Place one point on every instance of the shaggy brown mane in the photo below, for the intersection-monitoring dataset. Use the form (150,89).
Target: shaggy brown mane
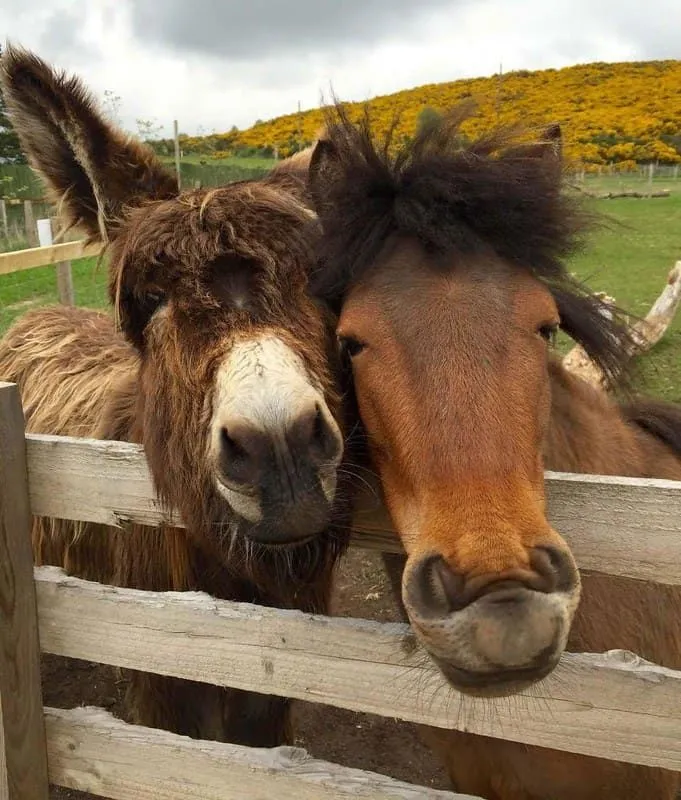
(498,192)
(659,419)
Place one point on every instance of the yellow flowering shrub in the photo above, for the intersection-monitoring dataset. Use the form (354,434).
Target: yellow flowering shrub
(609,113)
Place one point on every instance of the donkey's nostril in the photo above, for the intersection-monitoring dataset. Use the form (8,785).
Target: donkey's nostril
(315,436)
(241,453)
(231,447)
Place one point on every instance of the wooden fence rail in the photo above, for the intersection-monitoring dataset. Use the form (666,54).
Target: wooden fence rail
(92,751)
(613,705)
(622,526)
(44,256)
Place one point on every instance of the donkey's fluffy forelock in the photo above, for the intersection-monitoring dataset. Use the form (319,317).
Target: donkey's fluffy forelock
(168,246)
(499,193)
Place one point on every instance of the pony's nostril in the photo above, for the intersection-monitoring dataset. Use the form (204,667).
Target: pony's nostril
(554,568)
(433,588)
(449,583)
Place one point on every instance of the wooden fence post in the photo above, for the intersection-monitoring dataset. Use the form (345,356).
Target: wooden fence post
(46,231)
(29,224)
(23,760)
(178,170)
(64,274)
(3,217)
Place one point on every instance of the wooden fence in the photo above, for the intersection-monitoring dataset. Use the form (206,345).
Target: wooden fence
(60,255)
(612,705)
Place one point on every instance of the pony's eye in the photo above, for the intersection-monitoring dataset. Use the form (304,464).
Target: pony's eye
(350,346)
(548,332)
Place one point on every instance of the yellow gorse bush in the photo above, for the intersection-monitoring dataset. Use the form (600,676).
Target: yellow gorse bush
(610,113)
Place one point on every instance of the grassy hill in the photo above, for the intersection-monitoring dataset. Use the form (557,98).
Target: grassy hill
(611,113)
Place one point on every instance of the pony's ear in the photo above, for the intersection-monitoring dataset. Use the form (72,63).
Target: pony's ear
(92,169)
(325,169)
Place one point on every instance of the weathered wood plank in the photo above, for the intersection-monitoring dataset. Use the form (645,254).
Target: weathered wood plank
(23,759)
(624,526)
(4,786)
(65,289)
(42,256)
(93,751)
(610,705)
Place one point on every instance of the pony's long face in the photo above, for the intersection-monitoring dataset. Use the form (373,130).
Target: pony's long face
(237,397)
(451,380)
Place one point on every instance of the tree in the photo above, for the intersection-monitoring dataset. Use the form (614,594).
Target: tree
(148,130)
(10,149)
(111,106)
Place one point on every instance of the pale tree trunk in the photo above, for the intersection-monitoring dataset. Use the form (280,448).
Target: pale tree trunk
(647,332)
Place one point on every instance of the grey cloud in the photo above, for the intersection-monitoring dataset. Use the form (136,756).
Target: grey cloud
(651,30)
(653,35)
(248,30)
(61,39)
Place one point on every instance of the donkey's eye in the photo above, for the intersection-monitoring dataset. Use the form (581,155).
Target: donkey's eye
(548,332)
(350,346)
(153,301)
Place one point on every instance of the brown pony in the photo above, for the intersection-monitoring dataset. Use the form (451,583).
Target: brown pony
(224,373)
(445,261)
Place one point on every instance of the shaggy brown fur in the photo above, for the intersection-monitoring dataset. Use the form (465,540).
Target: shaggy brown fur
(406,235)
(176,263)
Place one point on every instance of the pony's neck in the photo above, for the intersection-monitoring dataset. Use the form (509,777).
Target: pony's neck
(588,433)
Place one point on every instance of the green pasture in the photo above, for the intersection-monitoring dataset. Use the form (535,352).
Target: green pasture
(628,257)
(252,162)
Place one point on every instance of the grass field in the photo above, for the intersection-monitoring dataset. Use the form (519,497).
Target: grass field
(629,259)
(232,161)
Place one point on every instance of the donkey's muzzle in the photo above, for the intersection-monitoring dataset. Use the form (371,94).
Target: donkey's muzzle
(282,477)
(492,633)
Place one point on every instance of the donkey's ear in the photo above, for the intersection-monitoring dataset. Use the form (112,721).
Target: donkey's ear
(548,148)
(92,168)
(553,138)
(325,169)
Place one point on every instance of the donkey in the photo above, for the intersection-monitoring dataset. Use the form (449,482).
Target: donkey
(217,361)
(445,263)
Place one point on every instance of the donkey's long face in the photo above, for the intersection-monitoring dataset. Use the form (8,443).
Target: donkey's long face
(236,388)
(236,403)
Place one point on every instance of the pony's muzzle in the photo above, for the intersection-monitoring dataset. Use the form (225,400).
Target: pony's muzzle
(490,634)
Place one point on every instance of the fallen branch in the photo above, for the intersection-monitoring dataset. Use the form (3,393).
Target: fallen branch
(615,195)
(646,332)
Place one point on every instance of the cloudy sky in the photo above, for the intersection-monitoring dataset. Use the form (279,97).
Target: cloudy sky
(216,63)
